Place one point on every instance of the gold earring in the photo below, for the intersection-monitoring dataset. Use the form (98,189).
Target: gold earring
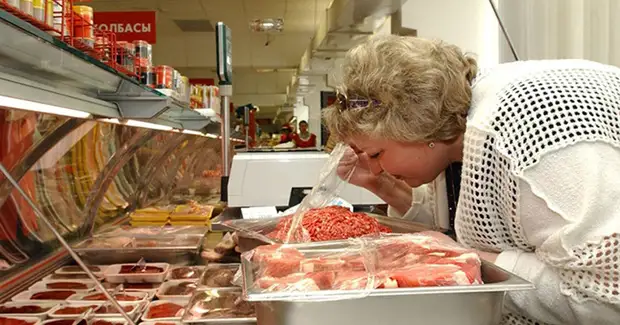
(431,145)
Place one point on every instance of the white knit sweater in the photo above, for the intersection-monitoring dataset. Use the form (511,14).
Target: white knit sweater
(541,186)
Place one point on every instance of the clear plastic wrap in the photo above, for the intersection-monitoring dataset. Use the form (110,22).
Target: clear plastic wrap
(321,271)
(218,305)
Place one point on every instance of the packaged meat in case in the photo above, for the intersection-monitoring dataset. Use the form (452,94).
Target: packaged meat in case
(77,285)
(133,287)
(26,309)
(100,297)
(72,311)
(219,275)
(107,310)
(185,272)
(173,290)
(164,310)
(19,320)
(76,269)
(218,306)
(137,273)
(390,261)
(44,295)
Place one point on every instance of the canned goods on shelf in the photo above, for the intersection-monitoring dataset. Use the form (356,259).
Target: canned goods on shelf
(83,22)
(25,6)
(60,22)
(163,75)
(88,42)
(38,10)
(49,12)
(125,55)
(13,3)
(176,78)
(144,53)
(102,43)
(147,77)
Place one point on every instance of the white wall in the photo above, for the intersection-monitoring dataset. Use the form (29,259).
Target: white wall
(562,29)
(469,24)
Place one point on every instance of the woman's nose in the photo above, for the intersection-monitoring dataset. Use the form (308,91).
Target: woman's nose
(375,167)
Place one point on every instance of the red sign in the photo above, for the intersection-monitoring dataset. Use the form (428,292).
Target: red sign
(128,26)
(202,81)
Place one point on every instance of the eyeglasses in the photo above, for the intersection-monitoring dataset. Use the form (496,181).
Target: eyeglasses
(345,103)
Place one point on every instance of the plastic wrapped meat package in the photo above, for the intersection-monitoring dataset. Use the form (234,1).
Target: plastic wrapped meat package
(18,320)
(218,304)
(219,275)
(29,309)
(185,273)
(361,265)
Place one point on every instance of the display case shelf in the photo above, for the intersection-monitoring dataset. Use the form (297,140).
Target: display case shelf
(36,67)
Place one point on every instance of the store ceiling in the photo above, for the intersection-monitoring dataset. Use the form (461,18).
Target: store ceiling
(263,63)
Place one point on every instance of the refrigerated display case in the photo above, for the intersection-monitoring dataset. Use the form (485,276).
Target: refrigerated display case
(89,147)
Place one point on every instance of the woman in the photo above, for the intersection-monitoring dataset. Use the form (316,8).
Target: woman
(539,143)
(304,139)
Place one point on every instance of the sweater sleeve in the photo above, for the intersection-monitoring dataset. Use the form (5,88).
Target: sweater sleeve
(421,207)
(570,212)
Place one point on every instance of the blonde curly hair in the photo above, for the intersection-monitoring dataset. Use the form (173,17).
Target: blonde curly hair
(421,90)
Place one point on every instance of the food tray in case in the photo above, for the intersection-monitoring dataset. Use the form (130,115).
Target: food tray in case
(153,305)
(468,305)
(185,273)
(42,285)
(29,320)
(181,249)
(162,295)
(133,313)
(249,240)
(47,306)
(78,310)
(219,306)
(107,321)
(80,297)
(76,269)
(133,287)
(27,295)
(113,274)
(208,281)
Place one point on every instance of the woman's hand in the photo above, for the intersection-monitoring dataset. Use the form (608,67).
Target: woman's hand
(354,168)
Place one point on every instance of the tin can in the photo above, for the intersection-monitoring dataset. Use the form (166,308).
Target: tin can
(83,23)
(125,55)
(60,11)
(38,10)
(147,76)
(144,53)
(176,78)
(25,6)
(102,44)
(49,12)
(164,77)
(13,3)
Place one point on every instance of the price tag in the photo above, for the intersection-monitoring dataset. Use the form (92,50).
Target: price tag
(259,212)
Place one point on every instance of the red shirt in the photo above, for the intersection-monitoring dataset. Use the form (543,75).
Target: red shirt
(307,143)
(286,138)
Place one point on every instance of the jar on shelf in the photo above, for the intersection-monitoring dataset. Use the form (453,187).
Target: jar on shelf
(60,21)
(25,6)
(163,75)
(102,45)
(144,53)
(83,25)
(147,76)
(13,3)
(38,10)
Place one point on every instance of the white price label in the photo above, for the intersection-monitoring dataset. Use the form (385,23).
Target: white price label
(259,212)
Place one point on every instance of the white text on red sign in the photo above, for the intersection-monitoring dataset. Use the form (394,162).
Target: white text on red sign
(125,28)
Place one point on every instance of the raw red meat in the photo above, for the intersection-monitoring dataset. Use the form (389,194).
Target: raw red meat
(119,297)
(23,310)
(72,310)
(14,321)
(330,223)
(112,310)
(277,260)
(61,322)
(165,310)
(66,285)
(104,322)
(402,261)
(52,295)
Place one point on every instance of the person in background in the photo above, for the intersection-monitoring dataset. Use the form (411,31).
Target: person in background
(286,134)
(304,139)
(527,152)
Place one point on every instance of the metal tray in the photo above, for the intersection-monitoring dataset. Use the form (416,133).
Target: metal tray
(257,230)
(186,253)
(457,305)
